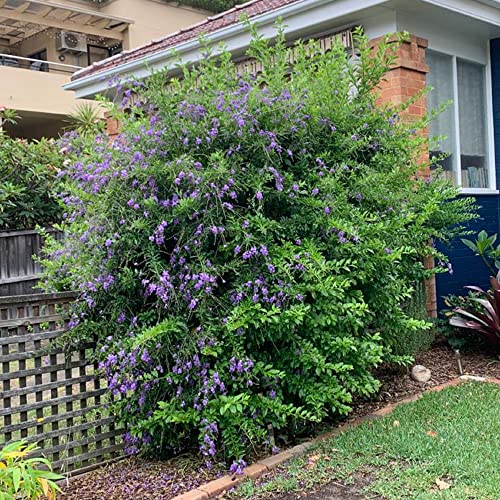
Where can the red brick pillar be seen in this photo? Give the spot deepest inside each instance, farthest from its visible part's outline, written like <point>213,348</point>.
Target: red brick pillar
<point>112,126</point>
<point>406,79</point>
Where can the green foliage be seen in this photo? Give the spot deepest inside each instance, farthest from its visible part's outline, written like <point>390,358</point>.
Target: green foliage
<point>483,317</point>
<point>8,116</point>
<point>86,120</point>
<point>28,173</point>
<point>410,342</point>
<point>245,247</point>
<point>21,476</point>
<point>211,5</point>
<point>484,247</point>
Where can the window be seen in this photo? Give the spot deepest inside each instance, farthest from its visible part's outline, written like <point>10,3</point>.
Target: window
<point>463,122</point>
<point>97,53</point>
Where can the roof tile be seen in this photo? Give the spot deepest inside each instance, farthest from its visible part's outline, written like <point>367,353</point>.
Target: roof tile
<point>209,25</point>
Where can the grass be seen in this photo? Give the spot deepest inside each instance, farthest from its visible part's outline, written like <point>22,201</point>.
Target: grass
<point>445,445</point>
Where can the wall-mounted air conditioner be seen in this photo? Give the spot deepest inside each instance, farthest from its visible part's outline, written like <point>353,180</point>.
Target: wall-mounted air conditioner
<point>67,41</point>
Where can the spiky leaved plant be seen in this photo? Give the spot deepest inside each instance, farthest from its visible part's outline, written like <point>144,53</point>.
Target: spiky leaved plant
<point>485,319</point>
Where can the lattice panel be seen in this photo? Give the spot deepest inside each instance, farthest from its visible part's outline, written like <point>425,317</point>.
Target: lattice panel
<point>50,396</point>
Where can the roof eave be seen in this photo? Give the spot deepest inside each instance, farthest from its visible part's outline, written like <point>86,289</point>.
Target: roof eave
<point>236,38</point>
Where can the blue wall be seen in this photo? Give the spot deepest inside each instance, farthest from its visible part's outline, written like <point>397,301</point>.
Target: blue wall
<point>468,269</point>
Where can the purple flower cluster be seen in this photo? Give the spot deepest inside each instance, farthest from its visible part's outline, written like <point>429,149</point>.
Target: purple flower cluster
<point>209,433</point>
<point>125,370</point>
<point>237,467</point>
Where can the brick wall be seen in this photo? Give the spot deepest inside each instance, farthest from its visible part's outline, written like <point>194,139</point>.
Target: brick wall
<point>405,80</point>
<point>112,126</point>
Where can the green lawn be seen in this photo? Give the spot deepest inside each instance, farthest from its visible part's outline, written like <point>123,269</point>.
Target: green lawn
<point>445,445</point>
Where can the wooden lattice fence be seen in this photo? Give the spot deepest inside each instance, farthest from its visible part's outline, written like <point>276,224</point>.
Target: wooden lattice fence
<point>50,396</point>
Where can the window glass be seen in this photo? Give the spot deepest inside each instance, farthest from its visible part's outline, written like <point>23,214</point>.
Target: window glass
<point>440,77</point>
<point>96,53</point>
<point>472,119</point>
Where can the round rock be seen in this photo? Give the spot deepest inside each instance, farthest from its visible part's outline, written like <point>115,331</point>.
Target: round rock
<point>420,373</point>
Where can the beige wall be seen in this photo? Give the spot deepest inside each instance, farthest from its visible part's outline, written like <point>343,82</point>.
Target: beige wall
<point>152,19</point>
<point>35,91</point>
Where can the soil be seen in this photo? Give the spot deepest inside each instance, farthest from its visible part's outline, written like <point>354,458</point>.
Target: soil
<point>335,491</point>
<point>143,479</point>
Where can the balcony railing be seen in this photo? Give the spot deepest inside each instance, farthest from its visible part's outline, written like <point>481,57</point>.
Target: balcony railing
<point>36,64</point>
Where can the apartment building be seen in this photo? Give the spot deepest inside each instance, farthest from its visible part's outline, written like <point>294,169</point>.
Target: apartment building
<point>43,42</point>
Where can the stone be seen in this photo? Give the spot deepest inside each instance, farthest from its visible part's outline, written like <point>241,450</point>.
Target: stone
<point>421,374</point>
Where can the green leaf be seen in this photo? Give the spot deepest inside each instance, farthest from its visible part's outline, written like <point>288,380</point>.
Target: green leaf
<point>16,479</point>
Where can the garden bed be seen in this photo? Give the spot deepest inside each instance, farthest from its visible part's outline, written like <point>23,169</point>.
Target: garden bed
<point>138,478</point>
<point>397,384</point>
<point>146,479</point>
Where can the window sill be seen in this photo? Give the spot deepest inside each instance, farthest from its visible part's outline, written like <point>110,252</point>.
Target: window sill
<point>479,191</point>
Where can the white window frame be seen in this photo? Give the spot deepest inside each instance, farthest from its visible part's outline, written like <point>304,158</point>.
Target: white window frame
<point>490,145</point>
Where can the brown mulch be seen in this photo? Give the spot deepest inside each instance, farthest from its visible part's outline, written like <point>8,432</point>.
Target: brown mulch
<point>397,384</point>
<point>142,479</point>
<point>139,479</point>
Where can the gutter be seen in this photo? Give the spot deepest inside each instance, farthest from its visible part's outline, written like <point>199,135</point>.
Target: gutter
<point>88,86</point>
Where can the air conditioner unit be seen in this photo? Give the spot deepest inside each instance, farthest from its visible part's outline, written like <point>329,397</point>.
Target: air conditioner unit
<point>67,41</point>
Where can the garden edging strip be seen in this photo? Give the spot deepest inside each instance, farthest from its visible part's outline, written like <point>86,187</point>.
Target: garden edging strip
<point>227,482</point>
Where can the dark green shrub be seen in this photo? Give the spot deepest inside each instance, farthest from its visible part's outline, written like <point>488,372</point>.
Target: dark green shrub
<point>411,342</point>
<point>211,5</point>
<point>28,175</point>
<point>244,248</point>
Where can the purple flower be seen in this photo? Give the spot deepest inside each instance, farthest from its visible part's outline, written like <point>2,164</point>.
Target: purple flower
<point>237,467</point>
<point>259,195</point>
<point>387,250</point>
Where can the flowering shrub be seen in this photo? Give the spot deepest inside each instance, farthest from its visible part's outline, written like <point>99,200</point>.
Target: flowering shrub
<point>242,249</point>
